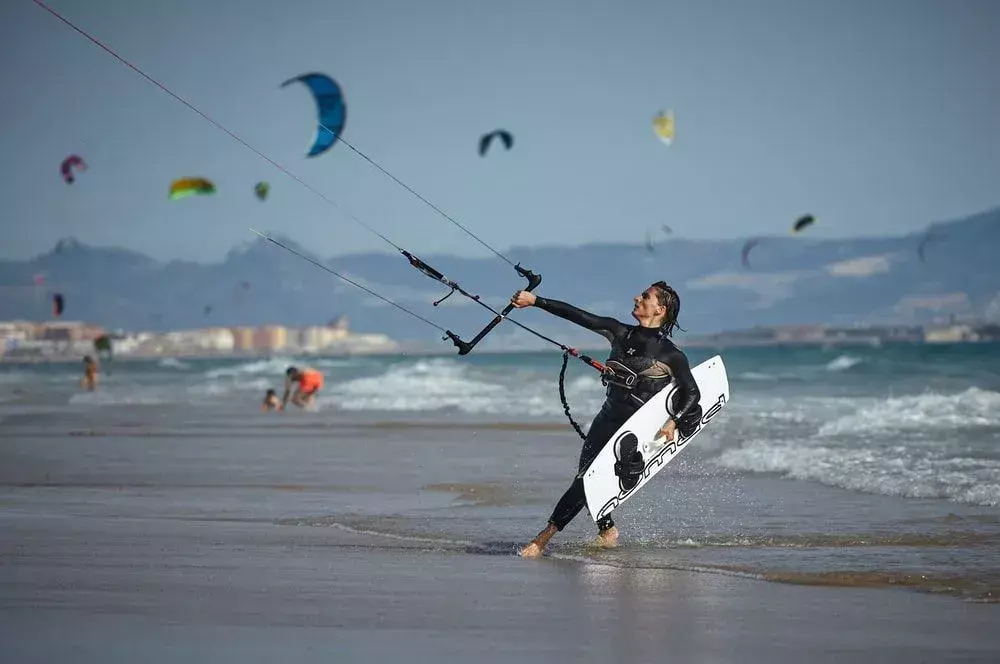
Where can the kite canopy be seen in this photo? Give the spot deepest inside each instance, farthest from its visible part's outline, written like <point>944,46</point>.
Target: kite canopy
<point>800,224</point>
<point>663,126</point>
<point>262,189</point>
<point>745,253</point>
<point>931,236</point>
<point>67,167</point>
<point>486,139</point>
<point>331,109</point>
<point>240,291</point>
<point>185,187</point>
<point>803,222</point>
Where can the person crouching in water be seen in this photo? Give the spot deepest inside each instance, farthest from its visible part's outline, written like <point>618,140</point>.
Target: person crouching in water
<point>309,383</point>
<point>270,401</point>
<point>642,352</point>
<point>90,370</point>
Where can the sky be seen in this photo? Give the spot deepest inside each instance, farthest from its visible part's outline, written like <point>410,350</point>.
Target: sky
<point>876,116</point>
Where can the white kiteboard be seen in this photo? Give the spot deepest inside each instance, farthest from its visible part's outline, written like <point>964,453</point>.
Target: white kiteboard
<point>604,488</point>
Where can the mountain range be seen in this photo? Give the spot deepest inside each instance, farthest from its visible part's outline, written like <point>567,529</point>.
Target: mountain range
<point>790,280</point>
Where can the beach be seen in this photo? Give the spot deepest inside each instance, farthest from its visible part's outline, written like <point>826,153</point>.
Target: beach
<point>165,517</point>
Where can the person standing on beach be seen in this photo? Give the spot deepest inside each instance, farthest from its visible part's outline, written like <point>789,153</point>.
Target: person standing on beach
<point>644,360</point>
<point>90,371</point>
<point>307,381</point>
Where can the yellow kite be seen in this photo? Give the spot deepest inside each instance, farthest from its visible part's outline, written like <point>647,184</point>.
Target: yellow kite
<point>663,126</point>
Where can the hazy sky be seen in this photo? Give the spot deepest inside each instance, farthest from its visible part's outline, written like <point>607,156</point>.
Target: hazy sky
<point>877,116</point>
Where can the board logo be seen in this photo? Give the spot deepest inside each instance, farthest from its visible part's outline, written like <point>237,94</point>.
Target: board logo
<point>714,410</point>
<point>633,470</point>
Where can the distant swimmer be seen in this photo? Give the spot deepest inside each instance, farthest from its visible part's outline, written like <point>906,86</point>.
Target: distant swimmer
<point>89,380</point>
<point>309,382</point>
<point>270,401</point>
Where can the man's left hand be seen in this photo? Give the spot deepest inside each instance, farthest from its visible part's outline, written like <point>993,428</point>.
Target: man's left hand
<point>668,430</point>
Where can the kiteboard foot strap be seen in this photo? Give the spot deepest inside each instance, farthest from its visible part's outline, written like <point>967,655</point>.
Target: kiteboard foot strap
<point>629,464</point>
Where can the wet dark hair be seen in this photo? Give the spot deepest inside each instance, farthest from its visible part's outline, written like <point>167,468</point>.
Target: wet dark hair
<point>271,393</point>
<point>668,297</point>
<point>291,371</point>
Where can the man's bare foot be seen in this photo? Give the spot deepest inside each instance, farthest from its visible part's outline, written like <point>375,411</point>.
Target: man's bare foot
<point>537,546</point>
<point>607,539</point>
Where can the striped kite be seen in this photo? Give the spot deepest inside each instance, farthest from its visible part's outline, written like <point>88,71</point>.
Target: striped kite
<point>185,187</point>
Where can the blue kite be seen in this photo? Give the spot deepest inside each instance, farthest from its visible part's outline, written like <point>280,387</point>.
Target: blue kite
<point>331,109</point>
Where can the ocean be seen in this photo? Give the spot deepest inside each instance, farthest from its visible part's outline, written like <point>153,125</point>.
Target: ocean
<point>861,468</point>
<point>916,421</point>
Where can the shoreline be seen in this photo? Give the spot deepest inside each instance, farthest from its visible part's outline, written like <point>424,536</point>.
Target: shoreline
<point>417,352</point>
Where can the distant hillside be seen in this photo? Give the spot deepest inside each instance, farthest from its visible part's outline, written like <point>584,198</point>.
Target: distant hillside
<point>793,280</point>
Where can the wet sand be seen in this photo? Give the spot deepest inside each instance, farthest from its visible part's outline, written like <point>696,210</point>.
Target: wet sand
<point>110,589</point>
<point>340,545</point>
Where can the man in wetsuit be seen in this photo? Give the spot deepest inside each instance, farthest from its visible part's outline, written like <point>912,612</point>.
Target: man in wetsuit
<point>309,383</point>
<point>644,361</point>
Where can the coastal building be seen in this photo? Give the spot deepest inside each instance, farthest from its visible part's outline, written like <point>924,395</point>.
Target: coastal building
<point>310,338</point>
<point>363,344</point>
<point>68,331</point>
<point>218,339</point>
<point>185,342</point>
<point>243,338</point>
<point>270,338</point>
<point>947,334</point>
<point>317,338</point>
<point>17,330</point>
<point>800,333</point>
<point>128,344</point>
<point>961,332</point>
<point>67,339</point>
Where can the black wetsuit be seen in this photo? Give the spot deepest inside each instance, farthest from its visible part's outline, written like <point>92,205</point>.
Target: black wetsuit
<point>655,361</point>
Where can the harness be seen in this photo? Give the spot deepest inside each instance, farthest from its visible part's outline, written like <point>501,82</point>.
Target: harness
<point>615,376</point>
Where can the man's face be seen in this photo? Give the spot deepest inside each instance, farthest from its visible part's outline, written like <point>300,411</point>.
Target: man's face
<point>646,305</point>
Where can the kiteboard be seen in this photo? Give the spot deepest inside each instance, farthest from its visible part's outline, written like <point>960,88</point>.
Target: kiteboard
<point>608,482</point>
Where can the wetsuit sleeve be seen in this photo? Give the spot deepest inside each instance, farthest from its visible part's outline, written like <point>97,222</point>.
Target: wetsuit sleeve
<point>688,394</point>
<point>605,326</point>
